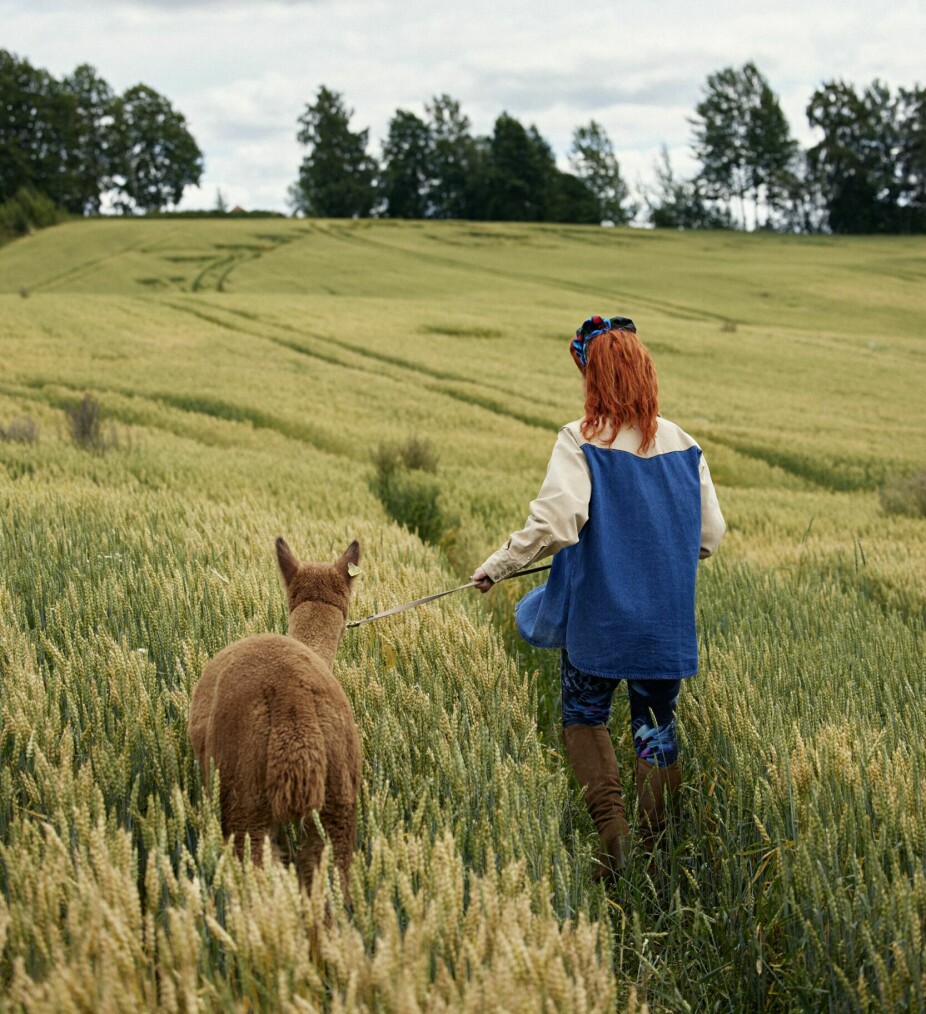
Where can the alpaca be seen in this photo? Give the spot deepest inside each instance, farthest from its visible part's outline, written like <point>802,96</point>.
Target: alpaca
<point>269,714</point>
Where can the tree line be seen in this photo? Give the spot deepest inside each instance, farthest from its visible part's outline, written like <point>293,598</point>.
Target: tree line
<point>77,146</point>
<point>867,174</point>
<point>75,142</point>
<point>433,167</point>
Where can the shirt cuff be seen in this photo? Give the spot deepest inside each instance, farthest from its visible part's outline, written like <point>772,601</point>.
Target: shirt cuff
<point>501,565</point>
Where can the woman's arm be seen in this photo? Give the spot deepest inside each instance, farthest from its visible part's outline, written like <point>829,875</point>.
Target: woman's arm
<point>713,525</point>
<point>556,516</point>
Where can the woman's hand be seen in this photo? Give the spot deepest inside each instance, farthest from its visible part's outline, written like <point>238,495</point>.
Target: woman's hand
<point>482,579</point>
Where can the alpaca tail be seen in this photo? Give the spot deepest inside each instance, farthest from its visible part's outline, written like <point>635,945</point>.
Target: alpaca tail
<point>296,766</point>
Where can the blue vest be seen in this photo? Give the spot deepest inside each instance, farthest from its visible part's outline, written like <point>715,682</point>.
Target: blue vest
<point>621,601</point>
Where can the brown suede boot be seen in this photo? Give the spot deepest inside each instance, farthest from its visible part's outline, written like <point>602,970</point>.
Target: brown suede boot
<point>657,790</point>
<point>591,755</point>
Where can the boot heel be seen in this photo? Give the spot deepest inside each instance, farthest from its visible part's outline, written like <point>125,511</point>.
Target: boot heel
<point>657,792</point>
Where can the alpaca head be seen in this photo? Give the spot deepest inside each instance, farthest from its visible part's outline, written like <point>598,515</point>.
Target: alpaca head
<point>318,583</point>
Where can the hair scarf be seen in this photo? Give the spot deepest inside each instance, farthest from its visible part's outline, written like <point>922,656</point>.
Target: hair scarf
<point>594,326</point>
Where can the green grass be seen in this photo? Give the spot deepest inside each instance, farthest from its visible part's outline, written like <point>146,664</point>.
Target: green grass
<point>249,370</point>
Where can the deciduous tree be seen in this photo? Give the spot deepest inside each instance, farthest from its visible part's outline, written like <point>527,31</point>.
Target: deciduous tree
<point>569,199</point>
<point>742,139</point>
<point>593,161</point>
<point>92,152</point>
<point>456,185</point>
<point>34,118</point>
<point>155,156</point>
<point>912,158</point>
<point>407,172</point>
<point>681,204</point>
<point>73,141</point>
<point>802,204</point>
<point>870,160</point>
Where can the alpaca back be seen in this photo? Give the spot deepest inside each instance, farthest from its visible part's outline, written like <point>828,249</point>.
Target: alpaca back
<point>273,719</point>
<point>270,716</point>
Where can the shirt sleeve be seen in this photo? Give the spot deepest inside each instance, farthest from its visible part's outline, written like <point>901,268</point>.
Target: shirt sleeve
<point>713,525</point>
<point>556,516</point>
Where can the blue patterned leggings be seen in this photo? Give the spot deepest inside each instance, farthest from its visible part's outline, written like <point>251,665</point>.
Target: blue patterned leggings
<point>587,701</point>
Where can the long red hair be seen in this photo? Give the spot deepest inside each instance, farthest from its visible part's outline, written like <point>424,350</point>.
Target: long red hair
<point>621,388</point>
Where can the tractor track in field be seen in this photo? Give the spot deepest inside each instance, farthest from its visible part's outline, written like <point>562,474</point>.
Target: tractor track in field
<point>84,268</point>
<point>440,377</point>
<point>230,412</point>
<point>283,343</point>
<point>220,262</point>
<point>204,405</point>
<point>676,310</point>
<point>497,409</point>
<point>358,350</point>
<point>217,272</point>
<point>824,476</point>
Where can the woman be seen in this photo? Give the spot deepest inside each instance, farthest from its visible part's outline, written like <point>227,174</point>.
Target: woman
<point>629,508</point>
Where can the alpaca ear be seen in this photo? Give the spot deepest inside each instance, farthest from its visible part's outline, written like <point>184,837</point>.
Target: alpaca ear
<point>287,561</point>
<point>349,560</point>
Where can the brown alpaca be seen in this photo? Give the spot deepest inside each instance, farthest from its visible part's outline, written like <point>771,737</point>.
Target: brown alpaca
<point>269,714</point>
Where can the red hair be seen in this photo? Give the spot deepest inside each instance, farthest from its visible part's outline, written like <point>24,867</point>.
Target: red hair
<point>621,388</point>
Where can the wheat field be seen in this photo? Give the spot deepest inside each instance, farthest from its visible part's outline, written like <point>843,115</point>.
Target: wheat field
<point>247,372</point>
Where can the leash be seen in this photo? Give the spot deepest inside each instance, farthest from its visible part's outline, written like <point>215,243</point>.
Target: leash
<point>439,595</point>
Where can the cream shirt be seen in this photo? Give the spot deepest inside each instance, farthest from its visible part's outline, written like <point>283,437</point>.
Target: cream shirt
<point>560,510</point>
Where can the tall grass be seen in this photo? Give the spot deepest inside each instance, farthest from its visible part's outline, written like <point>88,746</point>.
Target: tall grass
<point>26,211</point>
<point>404,481</point>
<point>21,430</point>
<point>905,496</point>
<point>798,878</point>
<point>105,629</point>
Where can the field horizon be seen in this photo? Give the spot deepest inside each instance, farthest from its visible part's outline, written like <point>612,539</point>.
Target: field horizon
<point>248,373</point>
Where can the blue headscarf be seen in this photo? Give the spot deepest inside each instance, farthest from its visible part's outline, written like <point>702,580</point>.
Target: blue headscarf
<point>595,326</point>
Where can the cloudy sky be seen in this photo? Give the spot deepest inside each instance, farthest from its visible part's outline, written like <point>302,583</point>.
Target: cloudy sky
<point>242,71</point>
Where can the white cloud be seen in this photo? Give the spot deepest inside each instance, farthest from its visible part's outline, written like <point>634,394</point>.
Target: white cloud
<point>242,71</point>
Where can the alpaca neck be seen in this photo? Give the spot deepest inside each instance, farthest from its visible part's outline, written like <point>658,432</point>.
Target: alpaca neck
<point>318,626</point>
